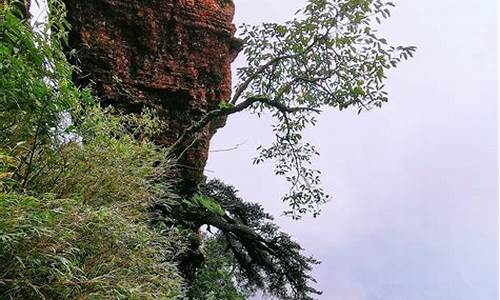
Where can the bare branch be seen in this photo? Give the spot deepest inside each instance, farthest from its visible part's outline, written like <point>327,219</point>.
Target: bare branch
<point>235,147</point>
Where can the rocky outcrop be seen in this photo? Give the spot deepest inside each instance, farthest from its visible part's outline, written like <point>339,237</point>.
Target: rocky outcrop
<point>170,55</point>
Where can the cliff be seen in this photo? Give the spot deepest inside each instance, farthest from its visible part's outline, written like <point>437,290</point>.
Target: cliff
<point>170,55</point>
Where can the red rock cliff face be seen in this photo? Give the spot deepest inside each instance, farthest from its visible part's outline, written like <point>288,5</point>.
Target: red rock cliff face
<point>170,55</point>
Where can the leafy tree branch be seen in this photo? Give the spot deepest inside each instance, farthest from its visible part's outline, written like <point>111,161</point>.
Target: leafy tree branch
<point>261,256</point>
<point>328,56</point>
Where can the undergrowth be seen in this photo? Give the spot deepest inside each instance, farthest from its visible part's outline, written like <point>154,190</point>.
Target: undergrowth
<point>76,183</point>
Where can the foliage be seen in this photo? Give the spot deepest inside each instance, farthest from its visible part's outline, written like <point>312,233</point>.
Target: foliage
<point>76,183</point>
<point>215,280</point>
<point>329,55</point>
<point>250,245</point>
<point>110,167</point>
<point>35,81</point>
<point>35,90</point>
<point>68,145</point>
<point>63,249</point>
<point>208,204</point>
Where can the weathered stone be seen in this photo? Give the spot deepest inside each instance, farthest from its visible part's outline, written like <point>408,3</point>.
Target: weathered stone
<point>170,55</point>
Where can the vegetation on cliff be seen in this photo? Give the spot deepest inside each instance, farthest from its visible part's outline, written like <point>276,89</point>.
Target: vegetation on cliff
<point>328,56</point>
<point>77,185</point>
<point>74,222</point>
<point>88,208</point>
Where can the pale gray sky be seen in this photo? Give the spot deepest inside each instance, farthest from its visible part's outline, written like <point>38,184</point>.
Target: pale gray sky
<point>415,210</point>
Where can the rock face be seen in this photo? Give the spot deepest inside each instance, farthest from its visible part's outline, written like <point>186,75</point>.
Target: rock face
<point>170,55</point>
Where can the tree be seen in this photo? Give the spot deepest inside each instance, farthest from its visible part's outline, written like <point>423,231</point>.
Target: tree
<point>328,56</point>
<point>247,248</point>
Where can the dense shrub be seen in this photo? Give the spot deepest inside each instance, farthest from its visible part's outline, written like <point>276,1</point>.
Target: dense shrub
<point>62,249</point>
<point>75,184</point>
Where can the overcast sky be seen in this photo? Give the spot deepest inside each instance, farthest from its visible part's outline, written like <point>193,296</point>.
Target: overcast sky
<point>415,211</point>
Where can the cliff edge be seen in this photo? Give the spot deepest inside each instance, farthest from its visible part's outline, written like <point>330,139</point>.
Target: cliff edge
<point>170,55</point>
